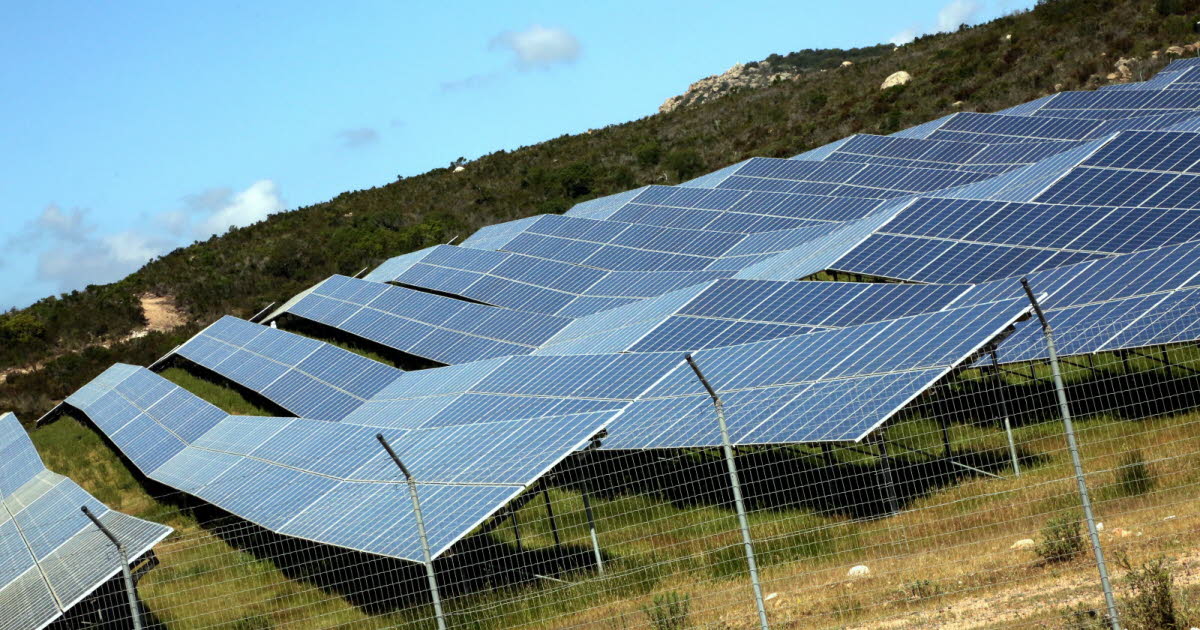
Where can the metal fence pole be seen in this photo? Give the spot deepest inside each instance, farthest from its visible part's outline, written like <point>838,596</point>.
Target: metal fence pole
<point>1012,443</point>
<point>134,613</point>
<point>737,494</point>
<point>412,492</point>
<point>1073,447</point>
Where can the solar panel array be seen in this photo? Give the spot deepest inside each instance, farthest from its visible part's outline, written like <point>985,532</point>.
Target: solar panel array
<point>51,555</point>
<point>552,327</point>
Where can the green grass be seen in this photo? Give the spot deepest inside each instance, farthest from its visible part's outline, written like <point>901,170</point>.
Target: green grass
<point>227,398</point>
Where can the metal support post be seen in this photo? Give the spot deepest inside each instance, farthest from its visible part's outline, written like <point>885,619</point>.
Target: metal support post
<point>134,613</point>
<point>827,452</point>
<point>591,519</point>
<point>550,513</point>
<point>737,493</point>
<point>1125,361</point>
<point>1073,447</point>
<point>587,509</point>
<point>888,482</point>
<point>516,528</point>
<point>1167,362</point>
<point>1003,401</point>
<point>947,452</point>
<point>412,492</point>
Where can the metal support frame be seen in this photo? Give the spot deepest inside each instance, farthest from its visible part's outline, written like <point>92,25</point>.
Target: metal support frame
<point>1002,401</point>
<point>739,503</point>
<point>1073,447</point>
<point>827,453</point>
<point>264,310</point>
<point>1091,368</point>
<point>416,501</point>
<point>1165,362</point>
<point>134,614</point>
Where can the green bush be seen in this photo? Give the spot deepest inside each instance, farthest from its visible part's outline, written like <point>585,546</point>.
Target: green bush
<point>1061,540</point>
<point>1151,603</point>
<point>1134,476</point>
<point>670,611</point>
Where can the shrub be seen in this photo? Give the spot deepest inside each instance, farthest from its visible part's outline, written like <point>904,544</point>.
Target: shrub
<point>1134,476</point>
<point>1151,601</point>
<point>670,611</point>
<point>921,589</point>
<point>1061,540</point>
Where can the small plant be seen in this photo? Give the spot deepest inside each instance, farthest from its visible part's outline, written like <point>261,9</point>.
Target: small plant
<point>1061,540</point>
<point>1151,602</point>
<point>921,589</point>
<point>1083,617</point>
<point>670,611</point>
<point>1134,476</point>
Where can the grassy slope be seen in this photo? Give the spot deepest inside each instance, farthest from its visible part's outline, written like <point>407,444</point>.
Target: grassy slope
<point>1065,43</point>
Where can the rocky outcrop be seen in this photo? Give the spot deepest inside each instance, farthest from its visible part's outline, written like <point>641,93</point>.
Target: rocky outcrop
<point>740,76</point>
<point>896,78</point>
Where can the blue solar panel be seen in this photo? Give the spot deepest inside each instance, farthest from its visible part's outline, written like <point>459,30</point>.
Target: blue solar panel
<point>51,555</point>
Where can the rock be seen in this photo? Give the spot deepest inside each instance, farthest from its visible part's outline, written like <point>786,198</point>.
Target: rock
<point>1111,76</point>
<point>859,571</point>
<point>739,76</point>
<point>1169,517</point>
<point>847,63</point>
<point>1121,532</point>
<point>1008,37</point>
<point>956,104</point>
<point>770,597</point>
<point>1175,50</point>
<point>1123,68</point>
<point>459,169</point>
<point>1024,543</point>
<point>896,78</point>
<point>1058,87</point>
<point>1154,54</point>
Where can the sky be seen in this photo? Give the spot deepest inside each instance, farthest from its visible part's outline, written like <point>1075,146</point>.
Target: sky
<point>129,129</point>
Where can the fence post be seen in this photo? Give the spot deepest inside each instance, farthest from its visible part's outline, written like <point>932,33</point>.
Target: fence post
<point>134,613</point>
<point>1073,447</point>
<point>412,492</point>
<point>737,493</point>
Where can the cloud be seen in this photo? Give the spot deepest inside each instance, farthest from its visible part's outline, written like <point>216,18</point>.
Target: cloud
<point>252,205</point>
<point>470,83</point>
<point>538,46</point>
<point>72,252</point>
<point>357,138</point>
<point>957,13</point>
<point>903,37</point>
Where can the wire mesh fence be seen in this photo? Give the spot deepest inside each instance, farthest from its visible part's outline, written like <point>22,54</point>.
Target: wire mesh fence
<point>962,510</point>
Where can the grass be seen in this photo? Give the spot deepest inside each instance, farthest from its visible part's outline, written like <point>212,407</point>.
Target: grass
<point>227,398</point>
<point>946,550</point>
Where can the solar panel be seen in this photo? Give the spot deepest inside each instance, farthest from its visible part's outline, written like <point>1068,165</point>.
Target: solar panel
<point>330,482</point>
<point>435,327</point>
<point>51,556</point>
<point>304,376</point>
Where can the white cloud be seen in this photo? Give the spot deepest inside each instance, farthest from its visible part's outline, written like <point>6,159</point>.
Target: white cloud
<point>903,37</point>
<point>539,46</point>
<point>252,205</point>
<point>72,252</point>
<point>956,13</point>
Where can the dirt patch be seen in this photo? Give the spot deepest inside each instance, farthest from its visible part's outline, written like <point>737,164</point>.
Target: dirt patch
<point>161,312</point>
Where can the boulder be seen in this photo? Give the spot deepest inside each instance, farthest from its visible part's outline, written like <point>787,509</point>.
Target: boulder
<point>847,64</point>
<point>896,78</point>
<point>1024,543</point>
<point>859,571</point>
<point>1175,50</point>
<point>459,169</point>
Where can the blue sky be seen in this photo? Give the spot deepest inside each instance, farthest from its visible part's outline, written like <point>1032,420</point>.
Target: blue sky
<point>129,129</point>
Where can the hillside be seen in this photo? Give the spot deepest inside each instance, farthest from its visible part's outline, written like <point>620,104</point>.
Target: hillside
<point>1062,44</point>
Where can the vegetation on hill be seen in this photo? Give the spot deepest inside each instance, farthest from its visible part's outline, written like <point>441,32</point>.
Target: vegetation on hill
<point>1061,44</point>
